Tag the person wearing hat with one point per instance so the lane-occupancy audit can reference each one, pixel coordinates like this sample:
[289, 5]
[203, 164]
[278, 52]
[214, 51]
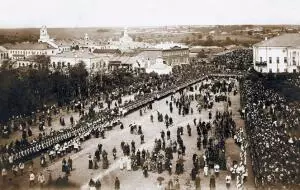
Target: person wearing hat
[41, 179]
[198, 182]
[117, 183]
[31, 179]
[90, 162]
[4, 174]
[21, 167]
[212, 182]
[228, 181]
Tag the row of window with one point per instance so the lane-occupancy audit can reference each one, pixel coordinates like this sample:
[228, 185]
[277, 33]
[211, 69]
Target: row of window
[62, 64]
[30, 65]
[32, 52]
[181, 53]
[278, 71]
[3, 55]
[278, 60]
[97, 65]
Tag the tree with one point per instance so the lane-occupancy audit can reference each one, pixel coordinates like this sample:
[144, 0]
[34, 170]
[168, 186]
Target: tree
[78, 76]
[6, 64]
[228, 41]
[199, 36]
[139, 39]
[209, 40]
[201, 54]
[42, 60]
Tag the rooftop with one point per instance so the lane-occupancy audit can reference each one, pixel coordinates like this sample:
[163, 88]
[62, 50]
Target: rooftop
[2, 49]
[285, 40]
[149, 55]
[122, 59]
[77, 54]
[112, 51]
[28, 46]
[170, 46]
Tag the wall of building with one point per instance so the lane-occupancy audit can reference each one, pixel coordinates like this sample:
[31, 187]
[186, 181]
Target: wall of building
[92, 64]
[176, 57]
[3, 55]
[278, 59]
[16, 54]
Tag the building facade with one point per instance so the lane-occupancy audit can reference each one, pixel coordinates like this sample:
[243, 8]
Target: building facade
[92, 61]
[23, 50]
[280, 54]
[3, 53]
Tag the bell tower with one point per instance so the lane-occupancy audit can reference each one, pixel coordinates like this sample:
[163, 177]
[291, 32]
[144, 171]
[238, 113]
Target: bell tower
[44, 37]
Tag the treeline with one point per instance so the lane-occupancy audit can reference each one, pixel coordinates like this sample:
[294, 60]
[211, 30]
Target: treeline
[210, 41]
[18, 38]
[23, 91]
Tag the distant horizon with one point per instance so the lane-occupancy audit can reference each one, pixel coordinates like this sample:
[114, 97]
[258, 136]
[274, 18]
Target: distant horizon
[149, 26]
[148, 13]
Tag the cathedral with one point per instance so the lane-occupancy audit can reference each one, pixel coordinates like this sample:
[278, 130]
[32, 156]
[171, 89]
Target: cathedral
[126, 43]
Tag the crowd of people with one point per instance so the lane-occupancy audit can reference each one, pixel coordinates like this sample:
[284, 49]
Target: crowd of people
[238, 59]
[58, 143]
[210, 138]
[275, 152]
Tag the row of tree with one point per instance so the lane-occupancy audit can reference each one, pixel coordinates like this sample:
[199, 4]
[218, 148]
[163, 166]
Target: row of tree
[24, 91]
[210, 41]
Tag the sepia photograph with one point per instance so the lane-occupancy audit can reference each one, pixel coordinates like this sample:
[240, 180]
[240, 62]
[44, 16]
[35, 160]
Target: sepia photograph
[150, 95]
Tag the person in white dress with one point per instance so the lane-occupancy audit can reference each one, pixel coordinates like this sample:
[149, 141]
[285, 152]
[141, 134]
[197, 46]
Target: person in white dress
[41, 179]
[205, 170]
[129, 164]
[228, 181]
[31, 179]
[217, 169]
[121, 163]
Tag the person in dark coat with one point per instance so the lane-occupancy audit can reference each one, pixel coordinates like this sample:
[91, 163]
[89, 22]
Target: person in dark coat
[193, 174]
[117, 184]
[198, 182]
[90, 162]
[212, 182]
[98, 184]
[70, 164]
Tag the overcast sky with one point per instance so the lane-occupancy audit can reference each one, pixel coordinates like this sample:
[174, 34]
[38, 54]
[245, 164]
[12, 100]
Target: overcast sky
[84, 13]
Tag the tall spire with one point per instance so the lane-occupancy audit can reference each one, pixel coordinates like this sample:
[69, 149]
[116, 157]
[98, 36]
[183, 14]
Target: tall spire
[125, 32]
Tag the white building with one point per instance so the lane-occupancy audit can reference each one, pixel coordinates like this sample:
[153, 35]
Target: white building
[126, 43]
[3, 53]
[23, 50]
[278, 55]
[45, 38]
[92, 61]
[159, 67]
[151, 61]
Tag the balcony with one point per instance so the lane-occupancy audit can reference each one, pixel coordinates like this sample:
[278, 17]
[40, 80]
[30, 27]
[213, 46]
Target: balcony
[260, 64]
